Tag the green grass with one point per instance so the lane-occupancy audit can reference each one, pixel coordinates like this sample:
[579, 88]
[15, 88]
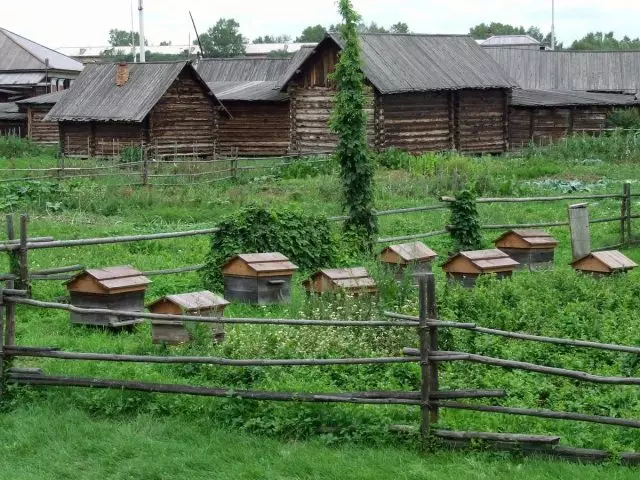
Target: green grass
[557, 303]
[50, 443]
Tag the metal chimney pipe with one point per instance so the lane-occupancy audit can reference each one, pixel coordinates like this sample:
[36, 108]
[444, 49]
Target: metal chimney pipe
[141, 15]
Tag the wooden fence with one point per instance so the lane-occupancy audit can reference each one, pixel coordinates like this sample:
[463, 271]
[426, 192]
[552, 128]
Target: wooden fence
[430, 398]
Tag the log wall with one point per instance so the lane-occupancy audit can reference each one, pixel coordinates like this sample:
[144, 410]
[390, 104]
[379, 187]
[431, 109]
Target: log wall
[256, 129]
[185, 120]
[76, 139]
[44, 133]
[482, 120]
[101, 139]
[13, 127]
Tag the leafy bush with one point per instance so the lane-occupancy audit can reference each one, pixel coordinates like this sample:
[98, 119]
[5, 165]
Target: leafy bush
[48, 195]
[16, 147]
[305, 239]
[130, 155]
[625, 118]
[303, 169]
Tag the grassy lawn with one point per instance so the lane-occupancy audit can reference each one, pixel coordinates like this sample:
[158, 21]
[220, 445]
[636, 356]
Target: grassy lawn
[41, 443]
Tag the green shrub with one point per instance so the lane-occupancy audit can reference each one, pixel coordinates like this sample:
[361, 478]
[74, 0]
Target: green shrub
[465, 226]
[131, 155]
[16, 147]
[305, 239]
[625, 118]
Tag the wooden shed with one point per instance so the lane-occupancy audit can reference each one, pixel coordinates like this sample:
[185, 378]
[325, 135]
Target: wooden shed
[36, 109]
[12, 121]
[353, 281]
[425, 93]
[248, 87]
[604, 263]
[175, 332]
[546, 116]
[164, 106]
[408, 258]
[466, 267]
[258, 278]
[532, 248]
[112, 288]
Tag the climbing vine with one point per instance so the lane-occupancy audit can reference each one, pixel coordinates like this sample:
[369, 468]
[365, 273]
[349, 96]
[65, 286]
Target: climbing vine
[465, 225]
[349, 121]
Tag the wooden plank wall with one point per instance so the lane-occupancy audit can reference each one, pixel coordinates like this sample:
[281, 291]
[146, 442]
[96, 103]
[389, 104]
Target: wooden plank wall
[44, 133]
[416, 122]
[185, 120]
[76, 139]
[113, 137]
[13, 127]
[256, 129]
[482, 119]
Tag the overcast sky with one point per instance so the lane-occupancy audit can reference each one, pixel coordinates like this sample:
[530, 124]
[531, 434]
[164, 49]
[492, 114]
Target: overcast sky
[70, 23]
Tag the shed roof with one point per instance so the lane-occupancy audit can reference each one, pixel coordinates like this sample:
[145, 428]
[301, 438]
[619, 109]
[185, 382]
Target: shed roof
[21, 54]
[411, 252]
[46, 99]
[94, 96]
[554, 98]
[612, 260]
[533, 238]
[496, 40]
[195, 301]
[617, 71]
[21, 78]
[248, 91]
[486, 260]
[397, 63]
[114, 278]
[10, 111]
[242, 69]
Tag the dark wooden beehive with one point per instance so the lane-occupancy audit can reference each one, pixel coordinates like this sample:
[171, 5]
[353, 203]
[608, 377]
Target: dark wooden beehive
[354, 281]
[175, 332]
[604, 263]
[258, 278]
[112, 288]
[466, 267]
[531, 248]
[408, 258]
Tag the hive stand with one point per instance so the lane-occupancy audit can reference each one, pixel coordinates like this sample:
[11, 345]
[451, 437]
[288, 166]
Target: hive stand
[466, 267]
[176, 332]
[258, 278]
[112, 288]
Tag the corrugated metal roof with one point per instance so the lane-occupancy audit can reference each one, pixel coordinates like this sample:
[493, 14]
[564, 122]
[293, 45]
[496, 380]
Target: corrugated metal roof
[94, 96]
[551, 98]
[242, 69]
[46, 99]
[497, 40]
[248, 91]
[397, 63]
[19, 53]
[21, 78]
[617, 71]
[9, 111]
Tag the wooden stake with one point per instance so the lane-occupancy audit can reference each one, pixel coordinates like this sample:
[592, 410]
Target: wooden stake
[24, 255]
[425, 383]
[9, 328]
[627, 214]
[2, 351]
[432, 312]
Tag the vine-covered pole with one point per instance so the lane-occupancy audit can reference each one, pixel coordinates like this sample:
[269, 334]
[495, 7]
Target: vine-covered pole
[349, 123]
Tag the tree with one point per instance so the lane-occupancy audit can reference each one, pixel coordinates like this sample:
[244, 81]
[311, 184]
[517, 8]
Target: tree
[373, 27]
[605, 41]
[400, 27]
[349, 123]
[165, 43]
[222, 40]
[312, 34]
[484, 31]
[122, 38]
[273, 39]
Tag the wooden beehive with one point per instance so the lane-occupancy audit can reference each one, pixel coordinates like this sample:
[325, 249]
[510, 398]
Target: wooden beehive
[112, 288]
[604, 263]
[175, 332]
[408, 258]
[258, 278]
[466, 267]
[531, 248]
[354, 281]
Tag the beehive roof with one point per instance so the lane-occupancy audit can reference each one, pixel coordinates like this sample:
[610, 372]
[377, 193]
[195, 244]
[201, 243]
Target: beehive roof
[189, 302]
[486, 260]
[114, 278]
[349, 277]
[613, 260]
[262, 263]
[533, 238]
[411, 252]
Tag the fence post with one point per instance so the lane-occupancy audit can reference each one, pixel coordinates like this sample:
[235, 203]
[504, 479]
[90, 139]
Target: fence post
[145, 167]
[2, 357]
[24, 255]
[9, 329]
[579, 228]
[425, 382]
[627, 214]
[234, 164]
[432, 314]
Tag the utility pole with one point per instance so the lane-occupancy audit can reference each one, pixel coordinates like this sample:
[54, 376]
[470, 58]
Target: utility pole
[141, 14]
[133, 36]
[553, 24]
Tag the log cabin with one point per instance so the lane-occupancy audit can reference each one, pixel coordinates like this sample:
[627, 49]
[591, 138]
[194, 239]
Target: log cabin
[36, 109]
[542, 117]
[425, 93]
[248, 87]
[165, 106]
